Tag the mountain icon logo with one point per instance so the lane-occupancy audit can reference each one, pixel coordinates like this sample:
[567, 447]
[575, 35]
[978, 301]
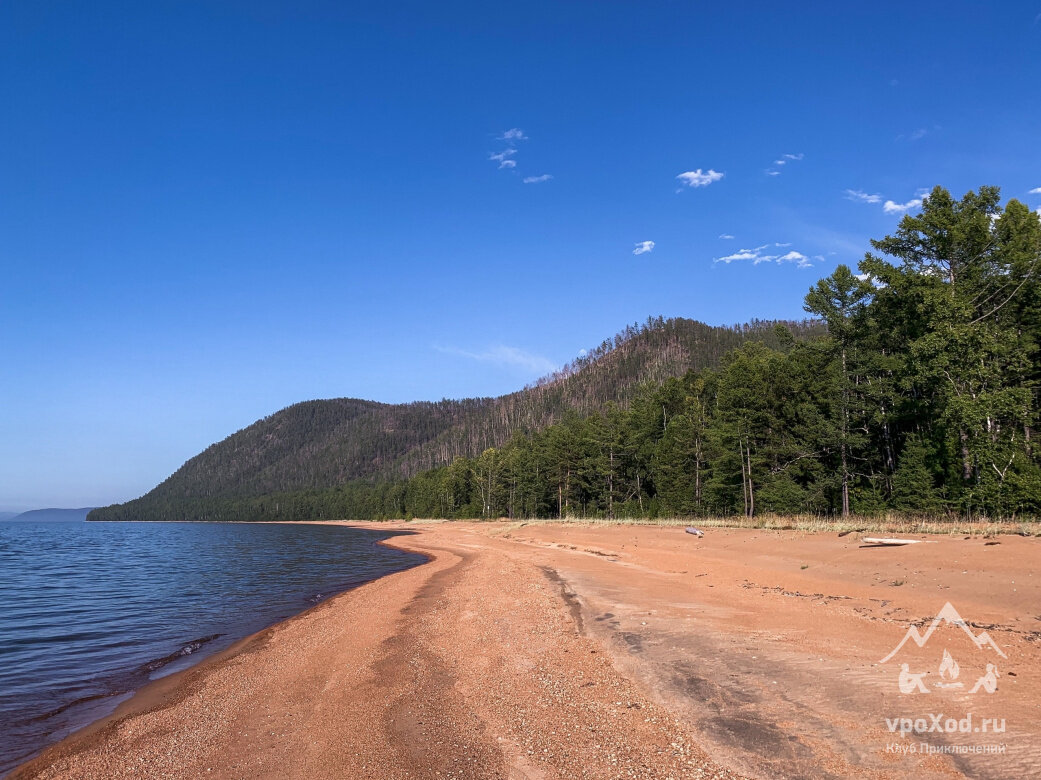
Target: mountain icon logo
[950, 616]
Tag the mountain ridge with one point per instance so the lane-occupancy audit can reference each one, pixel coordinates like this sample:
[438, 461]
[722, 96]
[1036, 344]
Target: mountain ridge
[324, 443]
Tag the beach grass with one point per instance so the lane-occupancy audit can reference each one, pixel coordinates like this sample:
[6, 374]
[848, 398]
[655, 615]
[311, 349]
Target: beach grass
[890, 523]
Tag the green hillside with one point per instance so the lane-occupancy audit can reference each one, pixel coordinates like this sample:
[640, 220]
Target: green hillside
[922, 394]
[321, 444]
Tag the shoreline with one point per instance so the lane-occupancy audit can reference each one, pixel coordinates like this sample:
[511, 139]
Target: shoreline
[173, 688]
[167, 688]
[571, 650]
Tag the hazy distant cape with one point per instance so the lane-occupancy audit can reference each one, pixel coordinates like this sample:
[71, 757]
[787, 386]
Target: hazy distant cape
[46, 515]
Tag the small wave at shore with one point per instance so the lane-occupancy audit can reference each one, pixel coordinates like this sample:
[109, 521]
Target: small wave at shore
[188, 649]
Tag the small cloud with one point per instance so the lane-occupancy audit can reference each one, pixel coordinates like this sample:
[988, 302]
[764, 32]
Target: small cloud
[643, 247]
[1035, 191]
[699, 179]
[800, 260]
[509, 357]
[784, 159]
[918, 134]
[862, 197]
[891, 207]
[513, 134]
[503, 158]
[537, 179]
[743, 254]
[757, 256]
[726, 236]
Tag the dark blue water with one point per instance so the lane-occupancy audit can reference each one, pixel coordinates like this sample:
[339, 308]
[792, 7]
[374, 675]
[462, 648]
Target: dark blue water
[90, 611]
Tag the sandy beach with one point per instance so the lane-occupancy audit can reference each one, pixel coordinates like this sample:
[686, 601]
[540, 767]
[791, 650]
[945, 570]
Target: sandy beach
[568, 650]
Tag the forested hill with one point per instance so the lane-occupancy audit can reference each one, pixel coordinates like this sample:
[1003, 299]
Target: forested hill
[321, 444]
[921, 395]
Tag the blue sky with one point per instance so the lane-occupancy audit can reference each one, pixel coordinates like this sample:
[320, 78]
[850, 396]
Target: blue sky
[209, 211]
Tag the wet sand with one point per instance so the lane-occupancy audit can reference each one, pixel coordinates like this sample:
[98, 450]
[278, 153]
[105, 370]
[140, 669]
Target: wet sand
[565, 650]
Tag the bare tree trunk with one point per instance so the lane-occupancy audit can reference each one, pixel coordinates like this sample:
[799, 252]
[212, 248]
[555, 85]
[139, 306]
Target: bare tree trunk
[744, 482]
[697, 474]
[845, 436]
[845, 483]
[966, 460]
[751, 487]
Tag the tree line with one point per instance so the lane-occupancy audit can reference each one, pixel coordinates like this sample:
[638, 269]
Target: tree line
[921, 397]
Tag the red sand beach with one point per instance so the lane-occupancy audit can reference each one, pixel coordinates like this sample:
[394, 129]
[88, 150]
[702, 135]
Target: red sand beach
[577, 651]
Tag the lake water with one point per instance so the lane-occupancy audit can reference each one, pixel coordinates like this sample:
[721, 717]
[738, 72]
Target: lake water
[91, 611]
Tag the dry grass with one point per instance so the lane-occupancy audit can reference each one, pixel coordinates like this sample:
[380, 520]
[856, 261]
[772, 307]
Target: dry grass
[889, 523]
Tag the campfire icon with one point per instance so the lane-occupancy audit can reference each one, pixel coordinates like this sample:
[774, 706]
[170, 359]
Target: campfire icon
[949, 669]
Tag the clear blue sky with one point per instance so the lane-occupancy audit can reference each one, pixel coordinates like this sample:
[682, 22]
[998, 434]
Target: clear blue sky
[211, 210]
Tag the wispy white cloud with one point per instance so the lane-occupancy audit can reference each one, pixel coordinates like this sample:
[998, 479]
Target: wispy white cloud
[742, 254]
[699, 179]
[503, 155]
[891, 207]
[643, 247]
[503, 158]
[861, 196]
[509, 357]
[726, 236]
[759, 255]
[800, 260]
[537, 179]
[917, 134]
[1035, 191]
[784, 159]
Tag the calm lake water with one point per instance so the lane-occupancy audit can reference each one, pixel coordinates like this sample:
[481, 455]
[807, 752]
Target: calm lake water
[91, 611]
